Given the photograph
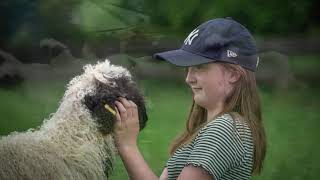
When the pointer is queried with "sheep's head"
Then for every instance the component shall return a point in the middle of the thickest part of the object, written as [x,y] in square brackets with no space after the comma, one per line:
[111,82]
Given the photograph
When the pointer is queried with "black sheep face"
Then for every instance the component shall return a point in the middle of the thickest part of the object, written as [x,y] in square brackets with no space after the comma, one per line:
[106,94]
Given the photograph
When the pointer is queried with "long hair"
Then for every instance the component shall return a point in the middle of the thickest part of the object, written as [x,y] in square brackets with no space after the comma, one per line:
[243,101]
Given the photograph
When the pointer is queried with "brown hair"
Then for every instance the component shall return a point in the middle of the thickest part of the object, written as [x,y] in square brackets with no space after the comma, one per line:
[244,101]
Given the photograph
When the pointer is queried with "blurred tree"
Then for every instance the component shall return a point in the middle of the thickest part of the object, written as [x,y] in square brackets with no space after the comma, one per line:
[15,15]
[55,17]
[76,22]
[73,22]
[265,17]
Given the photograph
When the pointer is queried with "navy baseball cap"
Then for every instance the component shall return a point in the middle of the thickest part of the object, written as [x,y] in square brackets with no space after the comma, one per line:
[217,40]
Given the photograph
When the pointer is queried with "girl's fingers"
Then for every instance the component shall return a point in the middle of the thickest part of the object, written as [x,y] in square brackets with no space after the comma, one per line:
[127,105]
[118,115]
[127,111]
[134,109]
[125,102]
[122,111]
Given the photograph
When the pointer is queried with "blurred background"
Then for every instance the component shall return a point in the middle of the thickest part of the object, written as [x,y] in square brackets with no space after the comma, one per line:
[43,44]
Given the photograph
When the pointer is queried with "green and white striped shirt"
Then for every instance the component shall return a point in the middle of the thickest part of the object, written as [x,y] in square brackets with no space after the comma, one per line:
[224,148]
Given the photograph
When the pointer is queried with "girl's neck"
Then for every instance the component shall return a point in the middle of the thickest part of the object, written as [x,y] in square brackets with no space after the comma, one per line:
[213,112]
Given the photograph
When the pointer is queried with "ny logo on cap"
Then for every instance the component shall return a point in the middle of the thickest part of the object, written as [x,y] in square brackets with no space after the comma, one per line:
[231,54]
[191,36]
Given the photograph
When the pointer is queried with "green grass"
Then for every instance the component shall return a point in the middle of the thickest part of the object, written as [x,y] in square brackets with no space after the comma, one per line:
[292,122]
[291,119]
[28,105]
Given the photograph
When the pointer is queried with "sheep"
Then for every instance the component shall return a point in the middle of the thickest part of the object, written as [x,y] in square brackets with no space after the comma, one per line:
[75,142]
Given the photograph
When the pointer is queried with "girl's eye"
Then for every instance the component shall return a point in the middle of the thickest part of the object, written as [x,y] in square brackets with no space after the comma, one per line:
[200,66]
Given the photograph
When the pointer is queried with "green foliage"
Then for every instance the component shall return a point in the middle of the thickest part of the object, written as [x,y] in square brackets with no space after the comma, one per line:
[81,20]
[259,16]
[56,18]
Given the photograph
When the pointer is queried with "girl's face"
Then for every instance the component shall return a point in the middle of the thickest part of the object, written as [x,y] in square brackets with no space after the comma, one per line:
[210,84]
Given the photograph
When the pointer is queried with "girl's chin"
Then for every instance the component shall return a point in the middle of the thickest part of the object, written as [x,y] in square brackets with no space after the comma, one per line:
[198,101]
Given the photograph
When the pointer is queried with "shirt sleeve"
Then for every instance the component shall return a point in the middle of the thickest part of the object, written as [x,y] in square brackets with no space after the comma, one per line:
[217,148]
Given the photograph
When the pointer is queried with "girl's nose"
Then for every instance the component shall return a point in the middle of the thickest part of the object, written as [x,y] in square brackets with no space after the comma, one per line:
[190,78]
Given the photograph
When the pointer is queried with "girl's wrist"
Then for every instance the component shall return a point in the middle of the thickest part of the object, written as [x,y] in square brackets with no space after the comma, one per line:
[128,148]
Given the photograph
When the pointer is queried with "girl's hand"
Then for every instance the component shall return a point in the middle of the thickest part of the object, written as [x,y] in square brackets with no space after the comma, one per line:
[127,124]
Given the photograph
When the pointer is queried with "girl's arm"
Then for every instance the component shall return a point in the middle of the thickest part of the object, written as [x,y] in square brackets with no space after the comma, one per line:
[125,135]
[135,164]
[164,175]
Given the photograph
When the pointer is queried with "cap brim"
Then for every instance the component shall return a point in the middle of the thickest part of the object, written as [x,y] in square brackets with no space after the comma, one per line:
[181,57]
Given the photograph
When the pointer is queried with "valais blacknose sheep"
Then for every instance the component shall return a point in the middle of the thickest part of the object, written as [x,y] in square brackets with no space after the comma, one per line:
[76,141]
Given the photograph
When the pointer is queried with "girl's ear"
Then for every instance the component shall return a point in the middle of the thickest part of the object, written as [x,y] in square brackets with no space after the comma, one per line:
[233,76]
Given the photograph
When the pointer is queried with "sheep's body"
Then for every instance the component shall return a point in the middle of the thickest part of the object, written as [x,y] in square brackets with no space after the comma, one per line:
[70,144]
[65,150]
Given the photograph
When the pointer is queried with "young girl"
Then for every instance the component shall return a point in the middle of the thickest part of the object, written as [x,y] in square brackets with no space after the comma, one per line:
[224,136]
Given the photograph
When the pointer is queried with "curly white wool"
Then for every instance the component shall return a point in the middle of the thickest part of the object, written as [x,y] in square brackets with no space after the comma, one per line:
[68,145]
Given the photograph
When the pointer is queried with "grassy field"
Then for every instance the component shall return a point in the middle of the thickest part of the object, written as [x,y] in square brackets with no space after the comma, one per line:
[291,118]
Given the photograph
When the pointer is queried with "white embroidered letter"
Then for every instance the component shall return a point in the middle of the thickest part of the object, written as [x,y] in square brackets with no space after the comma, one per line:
[231,54]
[191,36]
